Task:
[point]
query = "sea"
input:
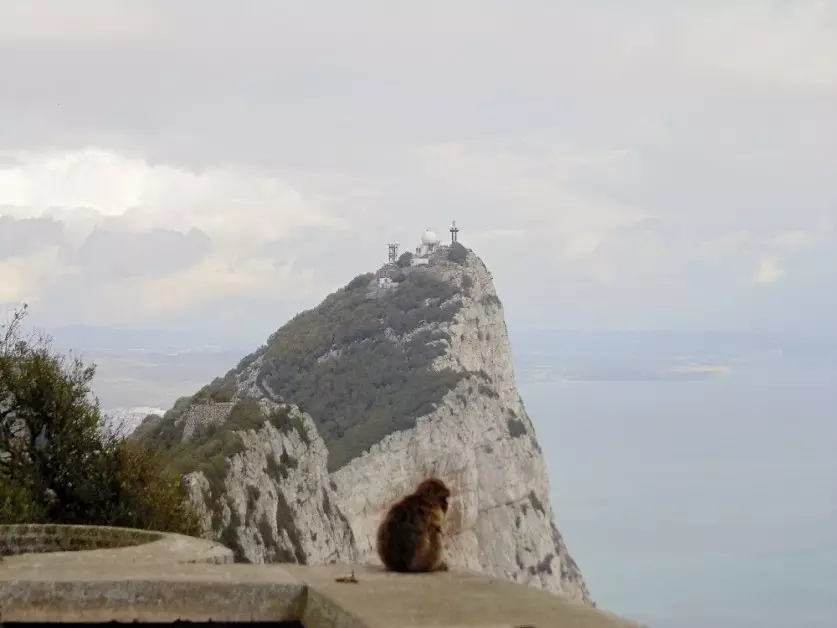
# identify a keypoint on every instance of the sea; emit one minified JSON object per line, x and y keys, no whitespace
{"x":704,"y":502}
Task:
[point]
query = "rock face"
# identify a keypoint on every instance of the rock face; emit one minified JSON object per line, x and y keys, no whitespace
{"x":311,"y":486}
{"x":277,"y":503}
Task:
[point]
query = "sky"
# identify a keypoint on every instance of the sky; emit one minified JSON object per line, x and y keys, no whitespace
{"x":618,"y":165}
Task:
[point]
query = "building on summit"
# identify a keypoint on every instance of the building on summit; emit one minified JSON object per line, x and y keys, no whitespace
{"x":430,"y":243}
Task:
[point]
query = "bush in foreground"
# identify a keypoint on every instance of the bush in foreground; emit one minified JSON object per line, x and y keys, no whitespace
{"x":60,"y":462}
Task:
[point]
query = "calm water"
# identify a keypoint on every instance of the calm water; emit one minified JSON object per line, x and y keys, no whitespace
{"x":689,"y":504}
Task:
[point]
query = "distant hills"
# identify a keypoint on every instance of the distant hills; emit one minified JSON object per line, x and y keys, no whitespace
{"x":149,"y":367}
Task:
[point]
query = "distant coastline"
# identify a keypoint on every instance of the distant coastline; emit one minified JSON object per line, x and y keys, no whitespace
{"x":623,"y":373}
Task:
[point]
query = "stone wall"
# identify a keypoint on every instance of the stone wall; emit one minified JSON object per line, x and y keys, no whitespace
{"x":38,"y":539}
{"x":199,"y":414}
{"x":50,"y":546}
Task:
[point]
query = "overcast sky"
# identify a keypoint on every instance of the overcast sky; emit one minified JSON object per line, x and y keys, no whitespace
{"x":644,"y":164}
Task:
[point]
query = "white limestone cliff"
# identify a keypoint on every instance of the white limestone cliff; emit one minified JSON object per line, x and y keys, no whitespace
{"x":482,"y":443}
{"x":277,"y":504}
{"x":478,"y":439}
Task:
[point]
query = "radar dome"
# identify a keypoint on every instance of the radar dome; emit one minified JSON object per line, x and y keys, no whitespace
{"x":429,"y":237}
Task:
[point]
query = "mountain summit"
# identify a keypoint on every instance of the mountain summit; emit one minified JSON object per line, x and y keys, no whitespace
{"x":295,"y":454}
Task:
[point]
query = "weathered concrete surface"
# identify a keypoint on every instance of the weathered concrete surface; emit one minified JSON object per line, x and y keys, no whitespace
{"x":173,"y":578}
{"x":89,"y":592}
{"x":148,"y":593}
{"x":385,"y":600}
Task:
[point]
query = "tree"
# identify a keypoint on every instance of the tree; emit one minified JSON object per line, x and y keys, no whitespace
{"x":59,"y":461}
{"x":405,"y":259}
{"x":457,"y":253}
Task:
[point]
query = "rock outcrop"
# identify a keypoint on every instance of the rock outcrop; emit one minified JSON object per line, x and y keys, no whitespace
{"x":390,"y":385}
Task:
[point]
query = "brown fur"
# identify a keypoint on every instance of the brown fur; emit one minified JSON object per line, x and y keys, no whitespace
{"x":410,"y":538}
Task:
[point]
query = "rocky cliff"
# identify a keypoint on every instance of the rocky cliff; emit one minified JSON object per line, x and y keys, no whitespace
{"x":295,"y":454}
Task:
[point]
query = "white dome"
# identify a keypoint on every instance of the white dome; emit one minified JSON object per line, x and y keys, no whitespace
{"x":429,"y":237}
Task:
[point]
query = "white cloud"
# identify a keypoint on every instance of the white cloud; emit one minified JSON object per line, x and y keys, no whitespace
{"x":534,"y":187}
{"x":582,"y":244}
{"x":228,"y":204}
{"x":794,"y":44}
{"x":85,"y":22}
{"x":658,"y":156}
{"x":25,"y":278}
{"x":94,"y":188}
{"x":720,"y":248}
{"x":211,"y":280}
{"x":768,"y":272}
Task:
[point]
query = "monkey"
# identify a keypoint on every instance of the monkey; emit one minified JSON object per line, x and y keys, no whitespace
{"x":410,"y":536}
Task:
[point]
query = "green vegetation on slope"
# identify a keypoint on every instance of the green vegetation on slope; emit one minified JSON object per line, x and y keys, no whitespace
{"x":209,"y":451}
{"x":457,"y":253}
{"x":210,"y":447}
{"x":337,"y":362}
{"x":340,"y":363}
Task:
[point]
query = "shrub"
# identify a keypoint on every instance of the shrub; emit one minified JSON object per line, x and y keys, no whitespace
{"x":60,"y":462}
{"x":405,"y":259}
{"x":516,"y":427}
{"x":457,"y":253}
{"x":361,"y":281}
{"x":491,"y":300}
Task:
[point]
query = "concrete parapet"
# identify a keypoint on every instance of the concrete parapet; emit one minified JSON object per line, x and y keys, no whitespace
{"x":171,"y":577}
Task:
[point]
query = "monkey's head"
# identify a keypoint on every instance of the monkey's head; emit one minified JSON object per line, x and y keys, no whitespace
{"x":435,"y":491}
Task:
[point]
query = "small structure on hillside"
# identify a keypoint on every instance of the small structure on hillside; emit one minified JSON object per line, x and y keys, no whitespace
{"x":454,"y":233}
{"x":385,"y":276}
{"x":387,"y":273}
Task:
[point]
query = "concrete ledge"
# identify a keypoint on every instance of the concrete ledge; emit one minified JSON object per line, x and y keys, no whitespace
{"x":148,"y":593}
{"x":442,"y":600}
{"x":173,"y":578}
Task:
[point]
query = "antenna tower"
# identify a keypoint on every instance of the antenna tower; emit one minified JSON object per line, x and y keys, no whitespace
{"x":393,"y":253}
{"x":454,"y":233}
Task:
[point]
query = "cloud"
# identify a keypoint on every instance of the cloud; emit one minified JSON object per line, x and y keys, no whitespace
{"x":119,"y":254}
{"x":145,"y":238}
{"x":768,"y":272}
{"x":85,"y":23}
{"x":720,"y":248}
{"x":228,"y":204}
{"x":202,"y":284}
{"x":25,"y":278}
{"x":792,"y":45}
{"x":647,"y":162}
{"x":19,"y":237}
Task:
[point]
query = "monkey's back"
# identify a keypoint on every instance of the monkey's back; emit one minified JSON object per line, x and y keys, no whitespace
{"x":405,"y":533}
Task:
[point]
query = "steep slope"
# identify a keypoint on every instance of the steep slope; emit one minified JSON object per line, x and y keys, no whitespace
{"x":388,"y":385}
